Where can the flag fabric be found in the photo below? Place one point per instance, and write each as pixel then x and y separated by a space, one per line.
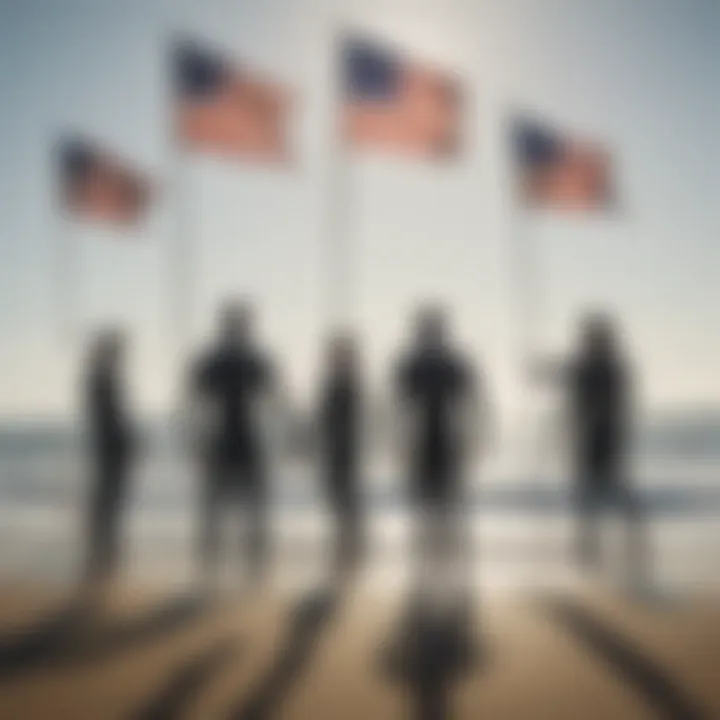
pixel 398 106
pixel 96 185
pixel 228 110
pixel 559 173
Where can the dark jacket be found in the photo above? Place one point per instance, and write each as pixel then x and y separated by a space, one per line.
pixel 111 435
pixel 433 385
pixel 339 424
pixel 234 378
pixel 599 397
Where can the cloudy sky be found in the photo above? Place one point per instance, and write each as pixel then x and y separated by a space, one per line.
pixel 641 76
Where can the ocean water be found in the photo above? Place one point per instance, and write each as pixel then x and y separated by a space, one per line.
pixel 518 515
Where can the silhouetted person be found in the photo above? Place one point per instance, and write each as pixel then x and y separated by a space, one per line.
pixel 439 398
pixel 231 382
pixel 339 426
pixel 111 451
pixel 438 394
pixel 599 390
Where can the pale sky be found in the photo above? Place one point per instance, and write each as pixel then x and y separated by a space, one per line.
pixel 640 76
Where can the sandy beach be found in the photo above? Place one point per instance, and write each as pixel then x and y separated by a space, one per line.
pixel 306 655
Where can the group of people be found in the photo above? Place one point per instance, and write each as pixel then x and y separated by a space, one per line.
pixel 439 407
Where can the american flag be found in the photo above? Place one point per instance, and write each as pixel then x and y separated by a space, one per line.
pixel 96 185
pixel 227 110
pixel 398 106
pixel 559 173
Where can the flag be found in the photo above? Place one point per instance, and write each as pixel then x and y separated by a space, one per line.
pixel 96 185
pixel 228 110
pixel 395 105
pixel 559 173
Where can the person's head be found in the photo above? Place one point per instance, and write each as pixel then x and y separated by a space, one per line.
pixel 598 336
pixel 107 350
pixel 431 326
pixel 236 319
pixel 342 354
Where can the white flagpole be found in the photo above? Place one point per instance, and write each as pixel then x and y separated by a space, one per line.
pixel 528 313
pixel 340 272
pixel 182 241
pixel 183 251
pixel 66 276
pixel 526 283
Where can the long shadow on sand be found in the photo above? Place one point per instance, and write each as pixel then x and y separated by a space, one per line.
pixel 76 634
pixel 187 681
pixel 309 617
pixel 52 634
pixel 640 672
pixel 429 653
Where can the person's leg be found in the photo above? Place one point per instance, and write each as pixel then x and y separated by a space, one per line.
pixel 462 622
pixel 460 546
pixel 419 535
pixel 637 565
pixel 103 529
pixel 209 535
pixel 345 511
pixel 353 540
pixel 96 528
pixel 338 510
pixel 100 522
pixel 588 533
pixel 424 526
pixel 256 513
pixel 454 572
pixel 113 517
pixel 439 535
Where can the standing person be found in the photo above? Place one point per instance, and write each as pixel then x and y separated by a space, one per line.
pixel 231 382
pixel 439 397
pixel 340 435
pixel 599 392
pixel 111 450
